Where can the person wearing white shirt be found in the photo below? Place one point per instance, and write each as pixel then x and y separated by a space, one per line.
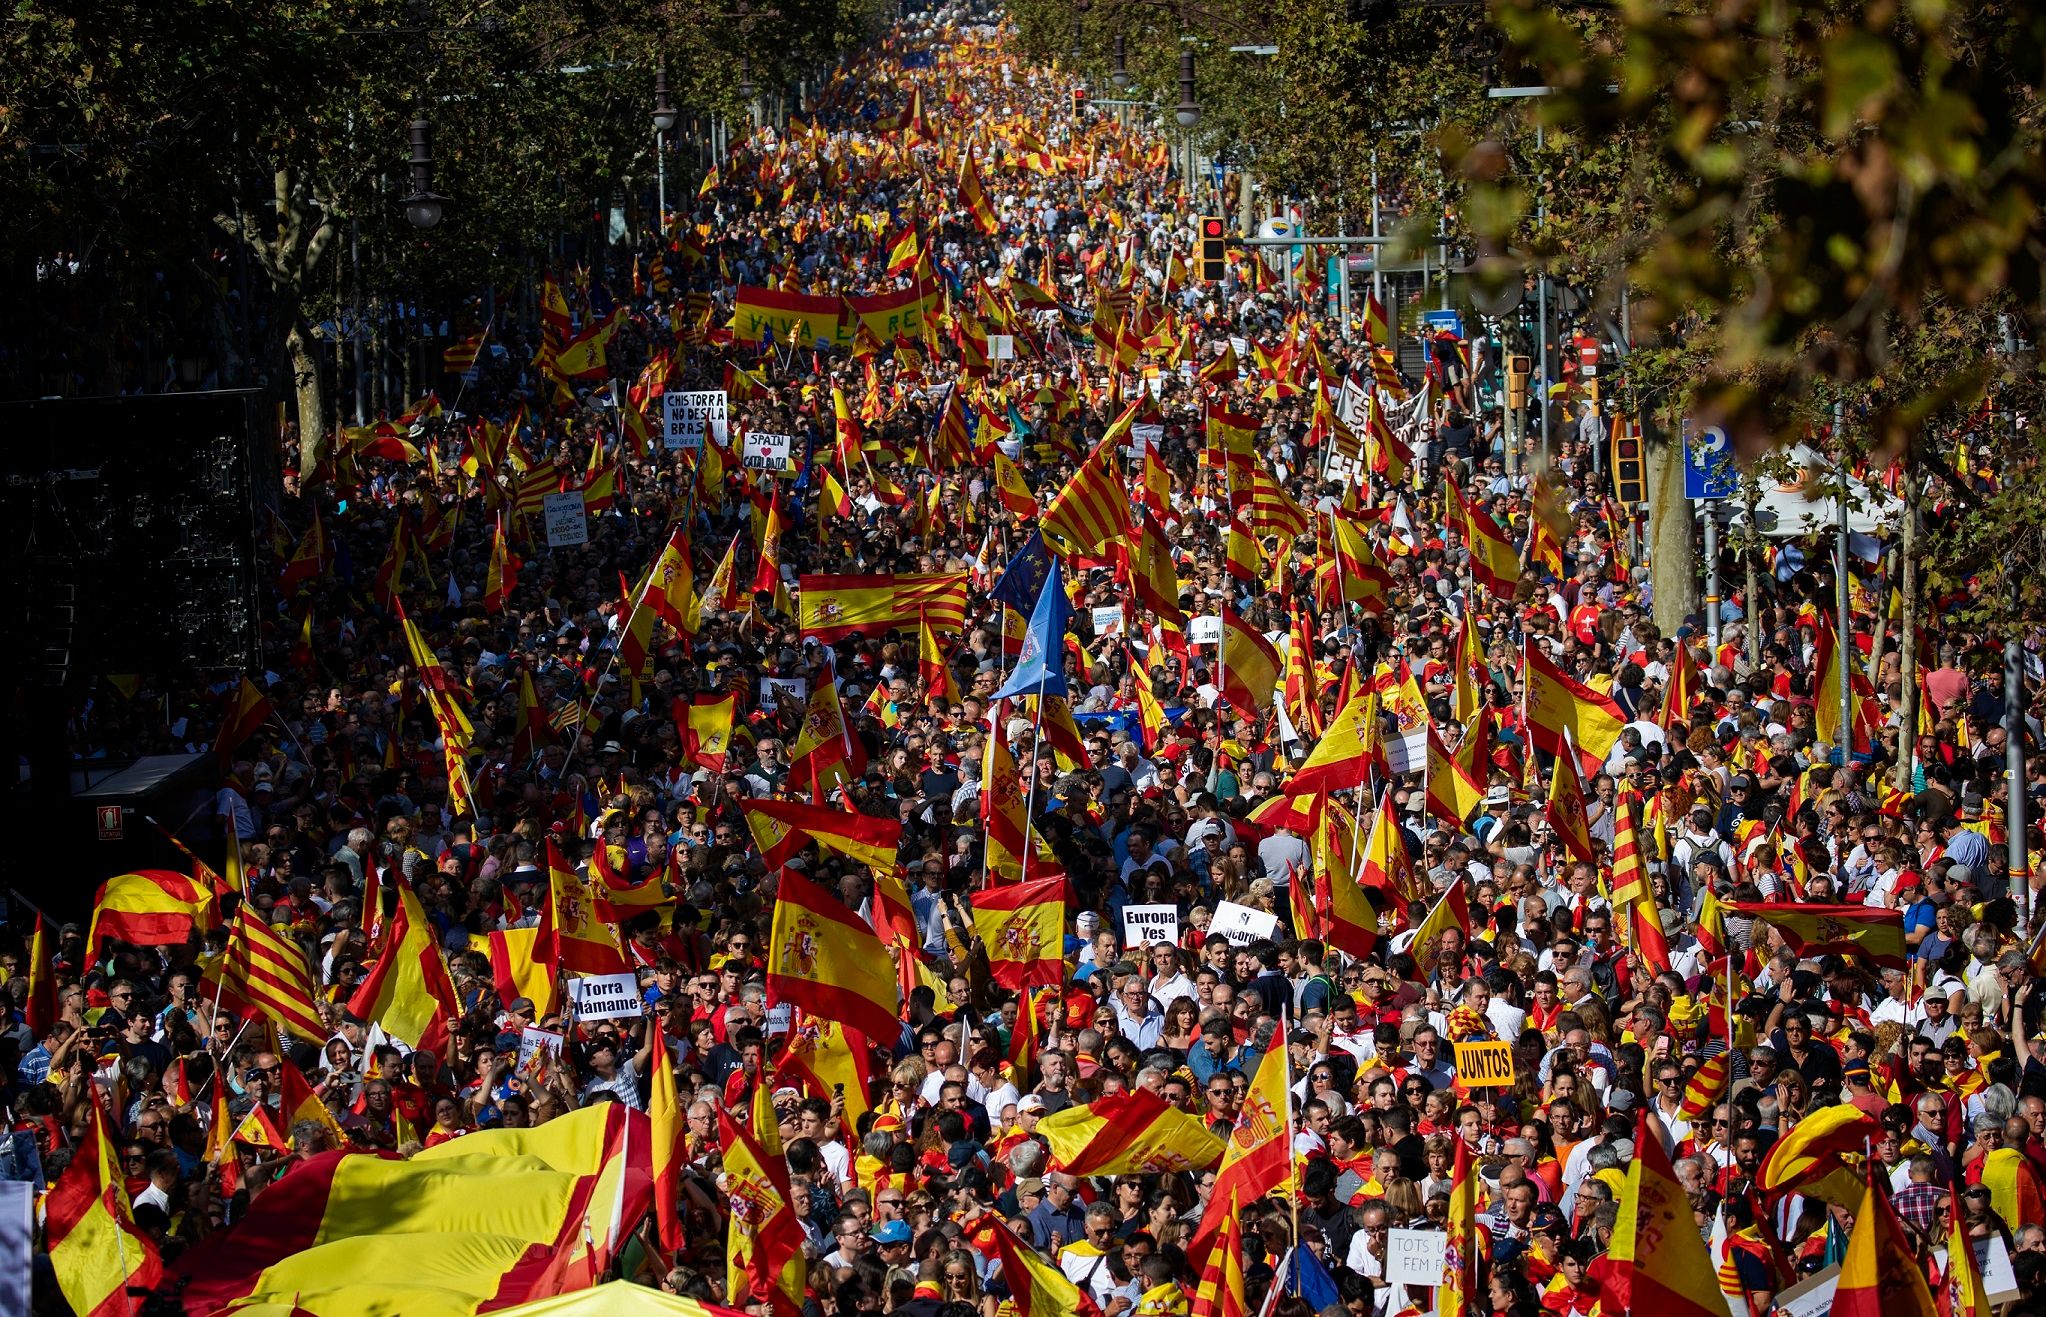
pixel 1168 980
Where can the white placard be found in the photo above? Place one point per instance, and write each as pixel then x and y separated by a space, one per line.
pixel 774 690
pixel 1001 347
pixel 1143 924
pixel 1353 404
pixel 767 452
pixel 568 521
pixel 533 1041
pixel 1415 1257
pixel 1147 436
pixel 780 1019
pixel 605 996
pixel 1107 620
pixel 1241 925
pixel 17 1235
pixel 1204 630
pixel 1810 1297
pixel 1241 346
pixel 688 417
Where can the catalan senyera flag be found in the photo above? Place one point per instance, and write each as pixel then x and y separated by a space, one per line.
pixel 1220 1291
pixel 151 908
pixel 95 1249
pixel 707 730
pixel 1708 1084
pixel 246 709
pixel 1670 1273
pixel 1813 1157
pixel 1880 1276
pixel 441 689
pixel 781 828
pixel 826 960
pixel 1862 931
pixel 1092 511
pixel 973 198
pixel 1257 1158
pixel 537 1212
pixel 1023 927
pixel 1036 1287
pixel 584 943
pixel 409 991
pixel 1564 713
pixel 263 973
pixel 834 607
pixel 1633 897
pixel 764 1244
pixel 1343 757
pixel 1250 666
pixel 1135 1132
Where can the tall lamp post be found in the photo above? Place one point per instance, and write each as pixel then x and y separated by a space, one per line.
pixel 1188 114
pixel 424 207
pixel 664 123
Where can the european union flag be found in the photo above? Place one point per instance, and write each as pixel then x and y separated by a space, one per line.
pixel 1024 578
pixel 1041 666
pixel 1312 1283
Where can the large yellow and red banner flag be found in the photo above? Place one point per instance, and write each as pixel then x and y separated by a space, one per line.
pixel 760 312
pixel 834 607
pixel 1130 1133
pixel 1023 926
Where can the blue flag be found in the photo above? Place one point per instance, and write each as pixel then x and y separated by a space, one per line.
pixel 1024 577
pixel 1307 1276
pixel 1041 667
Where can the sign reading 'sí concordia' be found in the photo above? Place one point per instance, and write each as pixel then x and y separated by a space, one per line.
pixel 824 321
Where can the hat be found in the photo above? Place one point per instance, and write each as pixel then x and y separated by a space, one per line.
pixel 1497 796
pixel 519 1006
pixel 892 1232
pixel 1620 1099
pixel 1030 1184
pixel 1030 1102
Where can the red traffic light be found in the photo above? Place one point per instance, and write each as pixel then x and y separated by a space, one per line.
pixel 1211 228
pixel 1627 449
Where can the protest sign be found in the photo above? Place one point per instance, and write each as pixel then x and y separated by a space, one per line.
pixel 567 521
pixel 605 996
pixel 1150 923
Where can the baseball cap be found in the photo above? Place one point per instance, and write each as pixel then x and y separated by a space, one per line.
pixel 892 1232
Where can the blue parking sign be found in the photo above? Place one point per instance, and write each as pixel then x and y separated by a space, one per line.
pixel 1708 463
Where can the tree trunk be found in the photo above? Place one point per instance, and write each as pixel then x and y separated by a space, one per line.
pixel 1672 557
pixel 1907 643
pixel 311 387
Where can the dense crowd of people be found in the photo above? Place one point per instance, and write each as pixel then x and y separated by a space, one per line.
pixel 903 1173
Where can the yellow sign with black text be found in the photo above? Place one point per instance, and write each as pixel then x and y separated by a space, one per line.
pixel 1484 1065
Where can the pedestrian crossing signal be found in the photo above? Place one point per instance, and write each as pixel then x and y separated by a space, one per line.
pixel 1630 479
pixel 1214 253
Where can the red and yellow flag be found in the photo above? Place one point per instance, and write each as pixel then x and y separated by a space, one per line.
pixel 1220 1292
pixel 40 1009
pixel 706 730
pixel 1820 1155
pixel 1343 757
pixel 834 607
pixel 1023 927
pixel 150 908
pixel 826 960
pixel 1880 1276
pixel 1003 808
pixel 1494 564
pixel 1668 1268
pixel 1563 712
pixel 1092 511
pixel 764 1257
pixel 1868 932
pixel 1458 1294
pixel 247 709
pixel 1250 666
pixel 670 1150
pixel 584 943
pixel 1258 1158
pixel 263 973
pixel 781 828
pixel 1566 810
pixel 95 1250
pixel 1134 1132
pixel 1036 1288
pixel 408 991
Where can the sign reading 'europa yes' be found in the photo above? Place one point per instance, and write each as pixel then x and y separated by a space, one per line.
pixel 824 323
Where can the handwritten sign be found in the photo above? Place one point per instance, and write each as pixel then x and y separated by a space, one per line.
pixel 1240 925
pixel 1204 630
pixel 538 1048
pixel 1416 1257
pixel 605 996
pixel 773 690
pixel 1001 347
pixel 687 417
pixel 1150 923
pixel 1484 1065
pixel 567 520
pixel 767 452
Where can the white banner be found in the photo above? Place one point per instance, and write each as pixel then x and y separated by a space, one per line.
pixel 1150 923
pixel 1240 925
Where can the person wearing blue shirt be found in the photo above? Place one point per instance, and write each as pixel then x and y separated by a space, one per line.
pixel 1216 1051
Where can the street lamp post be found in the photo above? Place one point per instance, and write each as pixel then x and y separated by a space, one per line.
pixel 664 123
pixel 424 207
pixel 1188 114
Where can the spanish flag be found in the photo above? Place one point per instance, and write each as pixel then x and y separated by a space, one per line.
pixel 1036 1288
pixel 1656 1240
pixel 1250 666
pixel 1682 691
pixel 1563 712
pixel 1258 1157
pixel 903 255
pixel 1010 490
pixel 669 1154
pixel 150 908
pixel 1352 924
pixel 1566 809
pixel 247 709
pixel 764 1237
pixel 297 1102
pixel 973 198
pixel 826 960
pixel 1003 807
pixel 1386 865
pixel 1453 910
pixel 39 1009
pixel 1130 1133
pixel 1494 564
pixel 584 943
pixel 1867 932
pixel 1468 1239
pixel 408 990
pixel 781 828
pixel 835 607
pixel 1343 757
pixel 1880 1276
pixel 1820 1155
pixel 95 1250
pixel 706 728
pixel 522 963
pixel 539 1211
pixel 1023 927
pixel 308 560
pixel 823 1059
pixel 932 668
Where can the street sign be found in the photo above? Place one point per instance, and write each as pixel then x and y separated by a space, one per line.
pixel 1708 463
pixel 1441 320
pixel 1221 175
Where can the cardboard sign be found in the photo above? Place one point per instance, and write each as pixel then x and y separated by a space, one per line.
pixel 1416 1257
pixel 1107 620
pixel 1150 923
pixel 605 996
pixel 1484 1065
pixel 767 452
pixel 688 417
pixel 773 690
pixel 1001 347
pixel 568 521
pixel 1241 925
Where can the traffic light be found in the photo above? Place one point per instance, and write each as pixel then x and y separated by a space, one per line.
pixel 1630 476
pixel 1214 252
pixel 1079 101
pixel 1518 367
